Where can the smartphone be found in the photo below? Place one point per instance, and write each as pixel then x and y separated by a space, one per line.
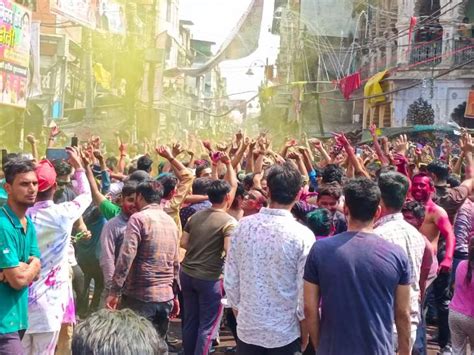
pixel 359 152
pixel 74 142
pixel 4 157
pixel 56 154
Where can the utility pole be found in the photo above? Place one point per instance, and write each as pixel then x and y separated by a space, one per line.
pixel 318 99
pixel 89 79
pixel 152 57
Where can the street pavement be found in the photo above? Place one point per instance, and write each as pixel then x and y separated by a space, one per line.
pixel 227 340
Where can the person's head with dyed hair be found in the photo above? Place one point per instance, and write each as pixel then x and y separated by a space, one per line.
pixel 320 222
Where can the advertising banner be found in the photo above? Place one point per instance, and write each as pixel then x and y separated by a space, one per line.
pixel 14 82
pixel 15 27
pixel 83 12
pixel 111 17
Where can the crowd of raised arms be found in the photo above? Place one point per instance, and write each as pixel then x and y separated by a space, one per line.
pixel 319 246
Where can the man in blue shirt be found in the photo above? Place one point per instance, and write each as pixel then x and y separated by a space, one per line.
pixel 361 282
pixel 19 253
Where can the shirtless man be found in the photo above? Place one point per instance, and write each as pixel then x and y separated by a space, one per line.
pixel 436 219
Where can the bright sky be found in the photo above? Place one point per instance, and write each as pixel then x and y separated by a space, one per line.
pixel 214 20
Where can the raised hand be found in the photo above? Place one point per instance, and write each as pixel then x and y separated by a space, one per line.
pixel 216 157
pixel 225 159
pixel 74 157
pixel 165 152
pixel 206 144
pixel 177 149
pixel 123 149
pixel 466 143
pixel 401 144
pixel 291 143
pixel 95 141
pixel 252 145
pixel 294 156
pixel 222 147
pixel 31 139
pixel 373 130
pixel 98 155
pixel 302 150
pixel 86 160
pixel 342 140
pixel 316 143
pixel 54 132
pixel 239 135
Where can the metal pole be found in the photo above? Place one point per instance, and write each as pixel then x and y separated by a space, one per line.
pixel 318 97
pixel 320 116
pixel 151 66
pixel 87 62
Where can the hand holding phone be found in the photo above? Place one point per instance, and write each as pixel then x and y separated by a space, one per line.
pixel 53 154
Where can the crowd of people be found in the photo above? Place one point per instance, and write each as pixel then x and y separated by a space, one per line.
pixel 323 246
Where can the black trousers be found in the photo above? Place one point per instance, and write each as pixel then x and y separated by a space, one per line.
pixel 442 296
pixel 293 348
pixel 92 271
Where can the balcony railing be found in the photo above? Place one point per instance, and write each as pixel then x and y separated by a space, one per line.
pixel 464 51
pixel 426 54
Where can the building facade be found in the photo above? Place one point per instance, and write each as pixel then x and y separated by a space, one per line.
pixel 428 45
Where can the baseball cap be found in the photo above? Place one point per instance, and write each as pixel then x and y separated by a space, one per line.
pixel 46 175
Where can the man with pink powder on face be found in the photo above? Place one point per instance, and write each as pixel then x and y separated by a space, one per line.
pixel 437 222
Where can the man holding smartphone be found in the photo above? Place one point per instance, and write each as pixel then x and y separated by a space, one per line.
pixel 50 298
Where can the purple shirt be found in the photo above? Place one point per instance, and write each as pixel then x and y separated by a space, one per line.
pixel 464 228
pixel 111 240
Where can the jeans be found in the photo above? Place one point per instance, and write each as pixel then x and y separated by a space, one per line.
pixel 293 348
pixel 419 347
pixel 202 302
pixel 156 312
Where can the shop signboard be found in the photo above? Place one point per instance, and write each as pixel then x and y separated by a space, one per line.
pixel 15 27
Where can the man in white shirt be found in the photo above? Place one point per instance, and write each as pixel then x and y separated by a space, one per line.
pixel 50 297
pixel 392 227
pixel 263 276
